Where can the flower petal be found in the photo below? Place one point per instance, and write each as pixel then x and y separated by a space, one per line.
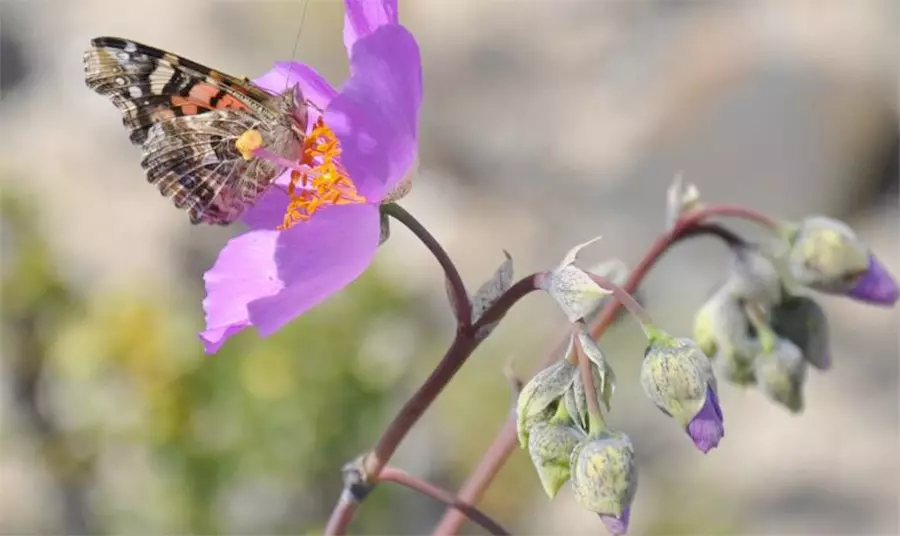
pixel 617 525
pixel 286 74
pixel 376 115
pixel 266 278
pixel 244 271
pixel 362 17
pixel 315 259
pixel 707 427
pixel 876 286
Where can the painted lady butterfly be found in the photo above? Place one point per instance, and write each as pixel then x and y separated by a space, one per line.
pixel 187 118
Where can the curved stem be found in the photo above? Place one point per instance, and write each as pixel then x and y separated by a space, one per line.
pixel 459 296
pixel 726 211
pixel 391 474
pixel 625 299
pixel 689 225
pixel 465 342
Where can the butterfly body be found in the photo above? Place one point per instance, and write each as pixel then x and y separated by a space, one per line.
pixel 187 119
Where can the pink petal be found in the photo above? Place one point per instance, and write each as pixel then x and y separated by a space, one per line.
pixel 244 271
pixel 376 114
pixel 267 278
pixel 286 74
pixel 363 17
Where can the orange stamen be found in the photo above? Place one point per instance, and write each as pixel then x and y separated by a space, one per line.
pixel 326 182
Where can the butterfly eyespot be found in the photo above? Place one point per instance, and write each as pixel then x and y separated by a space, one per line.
pixel 121 81
pixel 188 182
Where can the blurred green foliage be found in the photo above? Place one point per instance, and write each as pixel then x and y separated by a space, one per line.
pixel 148 433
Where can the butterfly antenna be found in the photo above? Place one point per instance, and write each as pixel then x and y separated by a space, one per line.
pixel 297 40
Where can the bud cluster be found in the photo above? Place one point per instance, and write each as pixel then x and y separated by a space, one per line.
pixel 567 442
pixel 753 330
pixel 759 332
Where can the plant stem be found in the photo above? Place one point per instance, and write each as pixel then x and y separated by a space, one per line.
pixel 691 224
pixel 391 474
pixel 590 390
pixel 465 342
pixel 625 299
pixel 459 296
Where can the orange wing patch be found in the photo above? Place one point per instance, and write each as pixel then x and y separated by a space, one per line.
pixel 207 97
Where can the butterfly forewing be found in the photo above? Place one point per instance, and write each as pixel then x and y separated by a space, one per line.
pixel 187 117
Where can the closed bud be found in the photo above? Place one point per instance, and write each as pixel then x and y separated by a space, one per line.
pixel 537 401
pixel 604 380
pixel 826 255
pixel 679 379
pixel 781 373
pixel 573 289
pixel 736 366
pixel 753 277
pixel 720 325
pixel 802 321
pixel 680 198
pixel 604 478
pixel 550 446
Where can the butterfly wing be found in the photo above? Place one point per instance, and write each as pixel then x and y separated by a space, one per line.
pixel 149 85
pixel 194 161
pixel 187 118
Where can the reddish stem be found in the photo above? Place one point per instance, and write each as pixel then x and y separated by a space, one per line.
pixel 391 474
pixel 505 442
pixel 466 341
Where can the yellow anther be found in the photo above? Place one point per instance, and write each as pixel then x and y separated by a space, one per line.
pixel 326 183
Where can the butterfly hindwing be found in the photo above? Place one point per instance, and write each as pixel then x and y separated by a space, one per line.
pixel 194 160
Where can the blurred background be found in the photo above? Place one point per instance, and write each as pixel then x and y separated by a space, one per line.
pixel 545 122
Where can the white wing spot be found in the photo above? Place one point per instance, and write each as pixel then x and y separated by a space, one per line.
pixel 130 47
pixel 123 56
pixel 135 92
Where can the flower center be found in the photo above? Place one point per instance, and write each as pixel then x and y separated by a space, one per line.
pixel 317 179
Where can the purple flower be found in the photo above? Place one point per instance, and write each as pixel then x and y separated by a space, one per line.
pixel 707 428
pixel 617 525
pixel 876 285
pixel 266 277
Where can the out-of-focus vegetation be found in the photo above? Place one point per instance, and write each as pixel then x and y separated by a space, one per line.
pixel 137 429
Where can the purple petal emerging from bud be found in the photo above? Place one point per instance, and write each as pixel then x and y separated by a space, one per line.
pixel 707 428
pixel 617 525
pixel 876 285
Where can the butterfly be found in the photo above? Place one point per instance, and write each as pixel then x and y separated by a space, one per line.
pixel 187 119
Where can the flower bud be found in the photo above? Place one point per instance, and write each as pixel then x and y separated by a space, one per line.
pixel 604 380
pixel 723 331
pixel 678 378
pixel 781 373
pixel 550 446
pixel 826 255
pixel 604 478
pixel 536 402
pixel 753 277
pixel 573 289
pixel 680 198
pixel 736 366
pixel 802 321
